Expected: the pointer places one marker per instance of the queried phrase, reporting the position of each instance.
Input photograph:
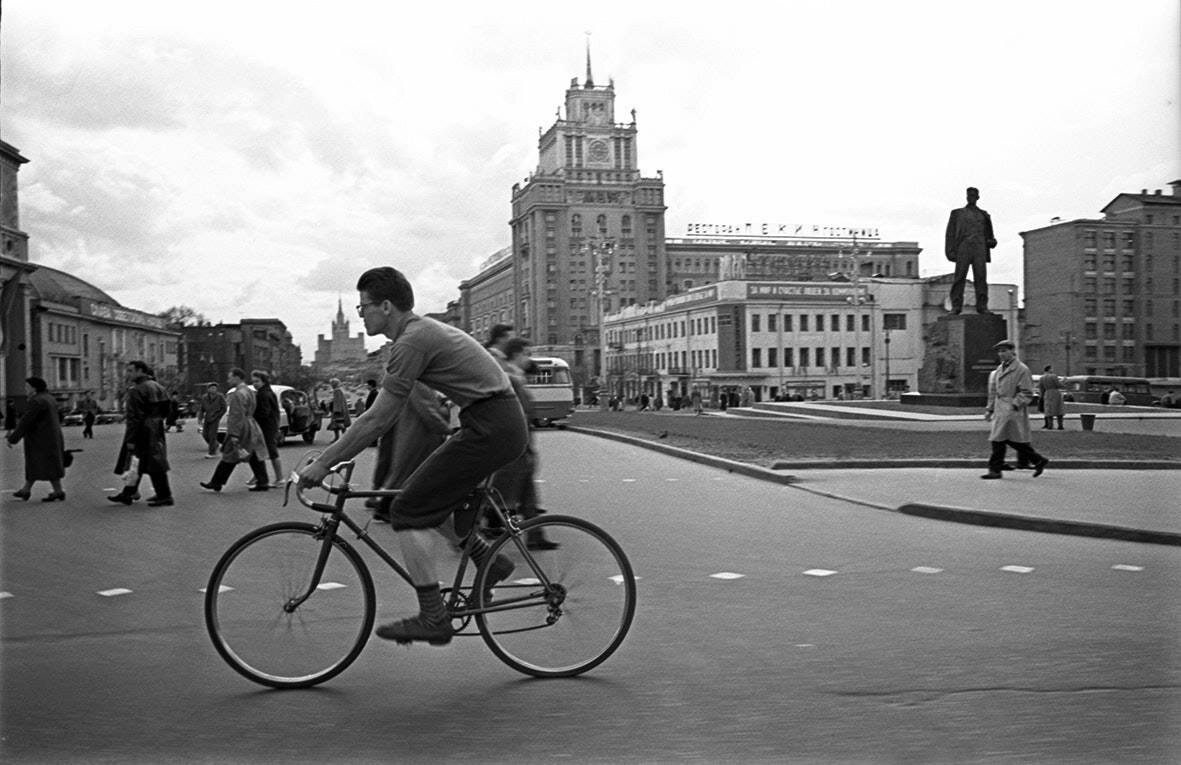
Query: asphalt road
(772, 625)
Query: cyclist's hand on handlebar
(312, 475)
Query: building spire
(590, 80)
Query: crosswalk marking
(726, 575)
(1126, 567)
(818, 572)
(926, 570)
(1017, 569)
(114, 592)
(618, 578)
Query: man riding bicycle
(493, 432)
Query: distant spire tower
(590, 79)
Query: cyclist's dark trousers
(492, 433)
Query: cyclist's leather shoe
(415, 628)
(499, 571)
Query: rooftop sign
(781, 230)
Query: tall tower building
(587, 229)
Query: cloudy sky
(252, 158)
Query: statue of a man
(969, 238)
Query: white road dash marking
(726, 575)
(114, 592)
(330, 586)
(672, 480)
(1126, 567)
(527, 580)
(818, 572)
(4, 595)
(629, 480)
(926, 570)
(1017, 569)
(618, 578)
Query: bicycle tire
(258, 575)
(594, 594)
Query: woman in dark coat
(40, 427)
(143, 437)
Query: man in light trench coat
(1010, 391)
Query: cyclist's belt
(504, 394)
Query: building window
(819, 357)
(849, 325)
(835, 323)
(1091, 330)
(1109, 240)
(803, 357)
(1089, 284)
(819, 328)
(864, 322)
(1090, 306)
(865, 356)
(772, 357)
(1089, 261)
(787, 322)
(1109, 309)
(1108, 331)
(754, 322)
(771, 322)
(1089, 240)
(850, 357)
(803, 328)
(787, 357)
(893, 321)
(1129, 307)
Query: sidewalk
(1139, 505)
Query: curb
(1046, 525)
(934, 512)
(955, 462)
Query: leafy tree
(182, 316)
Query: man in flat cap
(967, 243)
(1010, 391)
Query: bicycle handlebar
(345, 467)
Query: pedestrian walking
(516, 481)
(338, 411)
(423, 427)
(1010, 391)
(144, 414)
(41, 430)
(266, 413)
(89, 409)
(243, 441)
(1050, 389)
(210, 409)
(695, 400)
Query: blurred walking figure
(423, 427)
(89, 409)
(695, 399)
(338, 411)
(143, 437)
(210, 409)
(1050, 389)
(516, 481)
(243, 441)
(266, 412)
(41, 430)
(1010, 391)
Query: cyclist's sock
(430, 603)
(480, 548)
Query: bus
(553, 391)
(1089, 389)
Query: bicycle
(292, 604)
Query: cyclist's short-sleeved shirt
(444, 358)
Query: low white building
(767, 340)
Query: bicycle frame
(459, 607)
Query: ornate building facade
(587, 230)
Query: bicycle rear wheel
(255, 626)
(576, 622)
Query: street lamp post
(886, 332)
(601, 252)
(1068, 337)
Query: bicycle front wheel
(562, 611)
(259, 625)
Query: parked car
(297, 416)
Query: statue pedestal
(958, 360)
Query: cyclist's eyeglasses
(361, 307)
